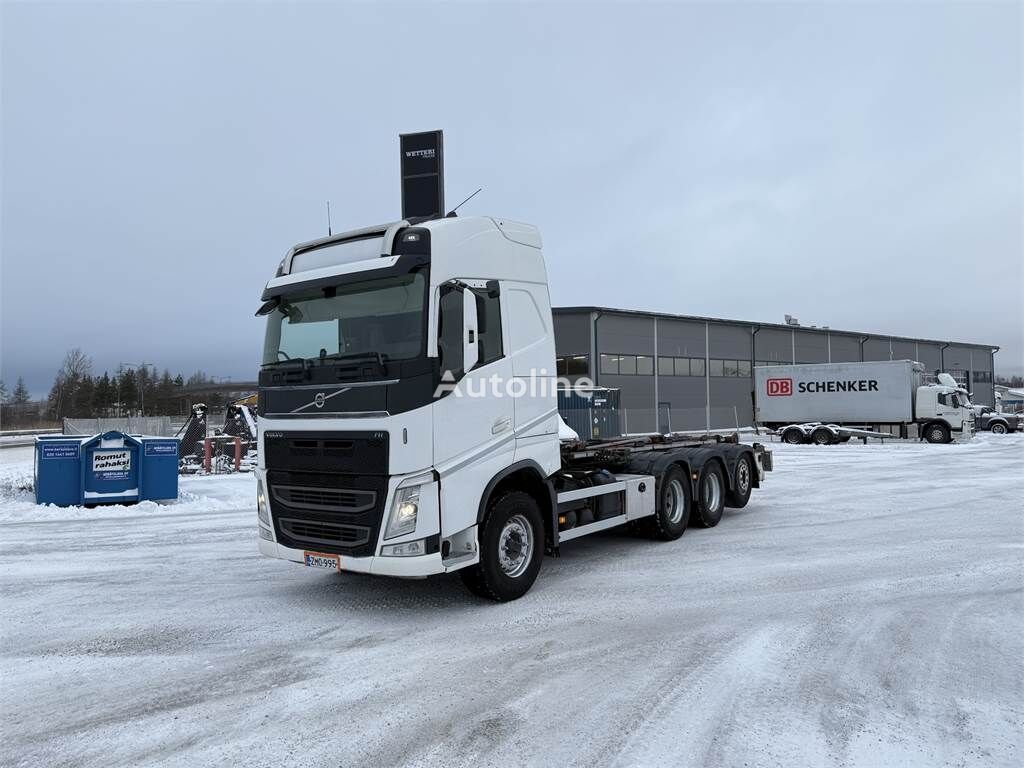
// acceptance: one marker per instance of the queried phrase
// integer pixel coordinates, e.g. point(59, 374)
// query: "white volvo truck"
point(823, 403)
point(408, 422)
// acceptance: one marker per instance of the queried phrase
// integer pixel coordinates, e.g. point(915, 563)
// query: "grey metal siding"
point(773, 345)
point(876, 348)
point(904, 350)
point(844, 348)
point(636, 401)
point(679, 338)
point(730, 401)
point(811, 346)
point(572, 334)
point(929, 355)
point(729, 342)
point(625, 334)
point(686, 397)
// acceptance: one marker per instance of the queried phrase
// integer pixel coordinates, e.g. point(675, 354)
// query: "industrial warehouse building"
point(676, 372)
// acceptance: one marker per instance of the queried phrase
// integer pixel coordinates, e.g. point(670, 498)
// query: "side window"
point(488, 320)
point(449, 339)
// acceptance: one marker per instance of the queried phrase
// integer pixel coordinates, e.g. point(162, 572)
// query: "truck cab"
point(943, 411)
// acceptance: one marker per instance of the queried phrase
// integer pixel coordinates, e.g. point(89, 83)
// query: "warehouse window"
point(645, 365)
point(627, 364)
point(572, 365)
point(609, 363)
point(730, 368)
point(680, 366)
point(982, 377)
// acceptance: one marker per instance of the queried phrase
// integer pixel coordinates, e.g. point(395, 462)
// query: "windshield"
point(383, 316)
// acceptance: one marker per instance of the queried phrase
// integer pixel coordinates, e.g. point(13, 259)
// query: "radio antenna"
point(329, 233)
point(453, 210)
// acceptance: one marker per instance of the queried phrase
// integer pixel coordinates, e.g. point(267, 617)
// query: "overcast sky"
point(857, 165)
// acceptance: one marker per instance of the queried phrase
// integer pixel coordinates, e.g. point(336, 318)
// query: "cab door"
point(472, 412)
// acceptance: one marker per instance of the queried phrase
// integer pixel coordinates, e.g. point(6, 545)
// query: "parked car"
point(986, 417)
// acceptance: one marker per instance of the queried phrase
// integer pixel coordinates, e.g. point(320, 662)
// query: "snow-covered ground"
point(866, 608)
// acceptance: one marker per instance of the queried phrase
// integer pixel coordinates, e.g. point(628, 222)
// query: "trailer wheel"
point(997, 428)
point(742, 483)
point(710, 496)
point(793, 436)
point(822, 436)
point(937, 433)
point(672, 507)
point(511, 548)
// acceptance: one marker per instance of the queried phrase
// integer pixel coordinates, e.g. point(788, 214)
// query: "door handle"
point(500, 425)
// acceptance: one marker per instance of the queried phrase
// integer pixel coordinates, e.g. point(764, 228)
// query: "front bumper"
point(402, 567)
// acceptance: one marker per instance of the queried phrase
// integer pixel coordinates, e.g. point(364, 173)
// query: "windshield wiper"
point(376, 357)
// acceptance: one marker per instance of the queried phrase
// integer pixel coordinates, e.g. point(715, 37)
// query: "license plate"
point(320, 560)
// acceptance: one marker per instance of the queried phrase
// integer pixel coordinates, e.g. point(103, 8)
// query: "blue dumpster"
point(112, 468)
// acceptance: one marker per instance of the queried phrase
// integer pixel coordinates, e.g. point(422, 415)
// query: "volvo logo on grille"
point(318, 401)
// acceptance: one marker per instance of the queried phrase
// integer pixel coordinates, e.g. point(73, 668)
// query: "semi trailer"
point(408, 421)
point(824, 403)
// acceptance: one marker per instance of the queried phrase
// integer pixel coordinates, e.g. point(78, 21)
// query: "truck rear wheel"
point(672, 512)
point(742, 482)
point(937, 433)
point(793, 436)
point(511, 548)
point(822, 436)
point(998, 428)
point(710, 496)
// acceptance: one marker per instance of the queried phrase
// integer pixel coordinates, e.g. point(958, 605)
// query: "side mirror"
point(470, 331)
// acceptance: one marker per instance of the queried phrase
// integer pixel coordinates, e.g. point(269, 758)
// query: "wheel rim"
point(792, 438)
point(743, 476)
point(821, 438)
point(936, 434)
point(712, 492)
point(515, 546)
point(676, 501)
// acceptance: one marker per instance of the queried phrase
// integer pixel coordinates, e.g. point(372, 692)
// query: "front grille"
point(328, 499)
point(321, 532)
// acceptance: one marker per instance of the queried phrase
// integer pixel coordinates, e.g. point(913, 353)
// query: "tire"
point(793, 436)
point(710, 502)
point(998, 428)
point(672, 506)
point(822, 436)
point(937, 433)
point(511, 549)
point(742, 483)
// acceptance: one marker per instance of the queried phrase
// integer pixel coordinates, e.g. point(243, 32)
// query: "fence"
point(158, 426)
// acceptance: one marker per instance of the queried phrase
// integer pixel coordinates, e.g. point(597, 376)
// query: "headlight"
point(403, 512)
point(261, 504)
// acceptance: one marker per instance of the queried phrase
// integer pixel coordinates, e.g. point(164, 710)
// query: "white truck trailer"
point(408, 422)
point(816, 402)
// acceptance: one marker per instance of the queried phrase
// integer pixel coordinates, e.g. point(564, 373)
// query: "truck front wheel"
point(936, 433)
point(998, 428)
point(511, 548)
